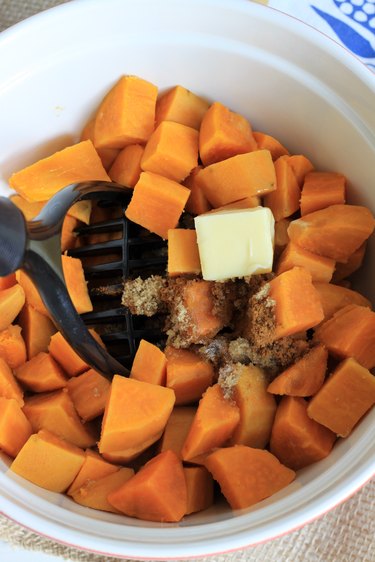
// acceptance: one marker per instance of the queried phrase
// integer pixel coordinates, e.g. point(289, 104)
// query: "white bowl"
point(290, 81)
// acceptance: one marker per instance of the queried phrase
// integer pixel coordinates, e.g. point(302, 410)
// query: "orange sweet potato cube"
point(197, 202)
point(257, 407)
point(350, 333)
point(240, 176)
point(126, 114)
point(41, 374)
point(177, 428)
point(135, 416)
point(188, 374)
point(54, 411)
point(344, 398)
point(94, 492)
point(150, 364)
point(183, 253)
point(284, 201)
point(76, 284)
point(157, 203)
point(31, 293)
point(334, 232)
point(321, 268)
point(81, 211)
point(322, 189)
point(200, 488)
point(9, 387)
point(301, 166)
point(157, 492)
point(30, 209)
point(15, 428)
point(94, 468)
point(354, 262)
point(270, 143)
point(106, 155)
point(297, 302)
point(305, 376)
point(247, 475)
point(48, 461)
point(41, 180)
point(89, 393)
point(65, 355)
point(171, 151)
point(126, 167)
point(334, 298)
point(245, 203)
point(281, 236)
point(224, 133)
point(182, 106)
point(213, 424)
point(296, 439)
point(11, 302)
point(37, 330)
point(12, 346)
point(68, 235)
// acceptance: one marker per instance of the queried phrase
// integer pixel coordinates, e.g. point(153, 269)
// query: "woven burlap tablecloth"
point(345, 534)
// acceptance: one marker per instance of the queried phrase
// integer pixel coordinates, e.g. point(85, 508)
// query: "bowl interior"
point(291, 82)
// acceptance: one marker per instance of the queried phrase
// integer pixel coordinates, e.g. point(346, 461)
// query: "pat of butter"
point(235, 242)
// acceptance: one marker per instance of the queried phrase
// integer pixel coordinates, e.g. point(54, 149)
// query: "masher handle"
point(13, 237)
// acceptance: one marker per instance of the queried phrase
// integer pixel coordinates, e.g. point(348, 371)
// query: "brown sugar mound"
point(144, 296)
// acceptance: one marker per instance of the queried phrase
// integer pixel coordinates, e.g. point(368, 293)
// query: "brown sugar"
point(178, 321)
point(244, 309)
point(144, 296)
point(216, 351)
point(272, 357)
point(228, 377)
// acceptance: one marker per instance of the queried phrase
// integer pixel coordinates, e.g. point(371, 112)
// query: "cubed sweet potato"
point(213, 424)
point(55, 412)
point(135, 417)
point(246, 475)
point(188, 374)
point(344, 398)
point(182, 106)
point(297, 440)
point(48, 461)
point(150, 364)
point(224, 133)
point(15, 428)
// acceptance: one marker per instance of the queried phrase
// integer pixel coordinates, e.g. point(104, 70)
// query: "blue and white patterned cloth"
point(350, 22)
